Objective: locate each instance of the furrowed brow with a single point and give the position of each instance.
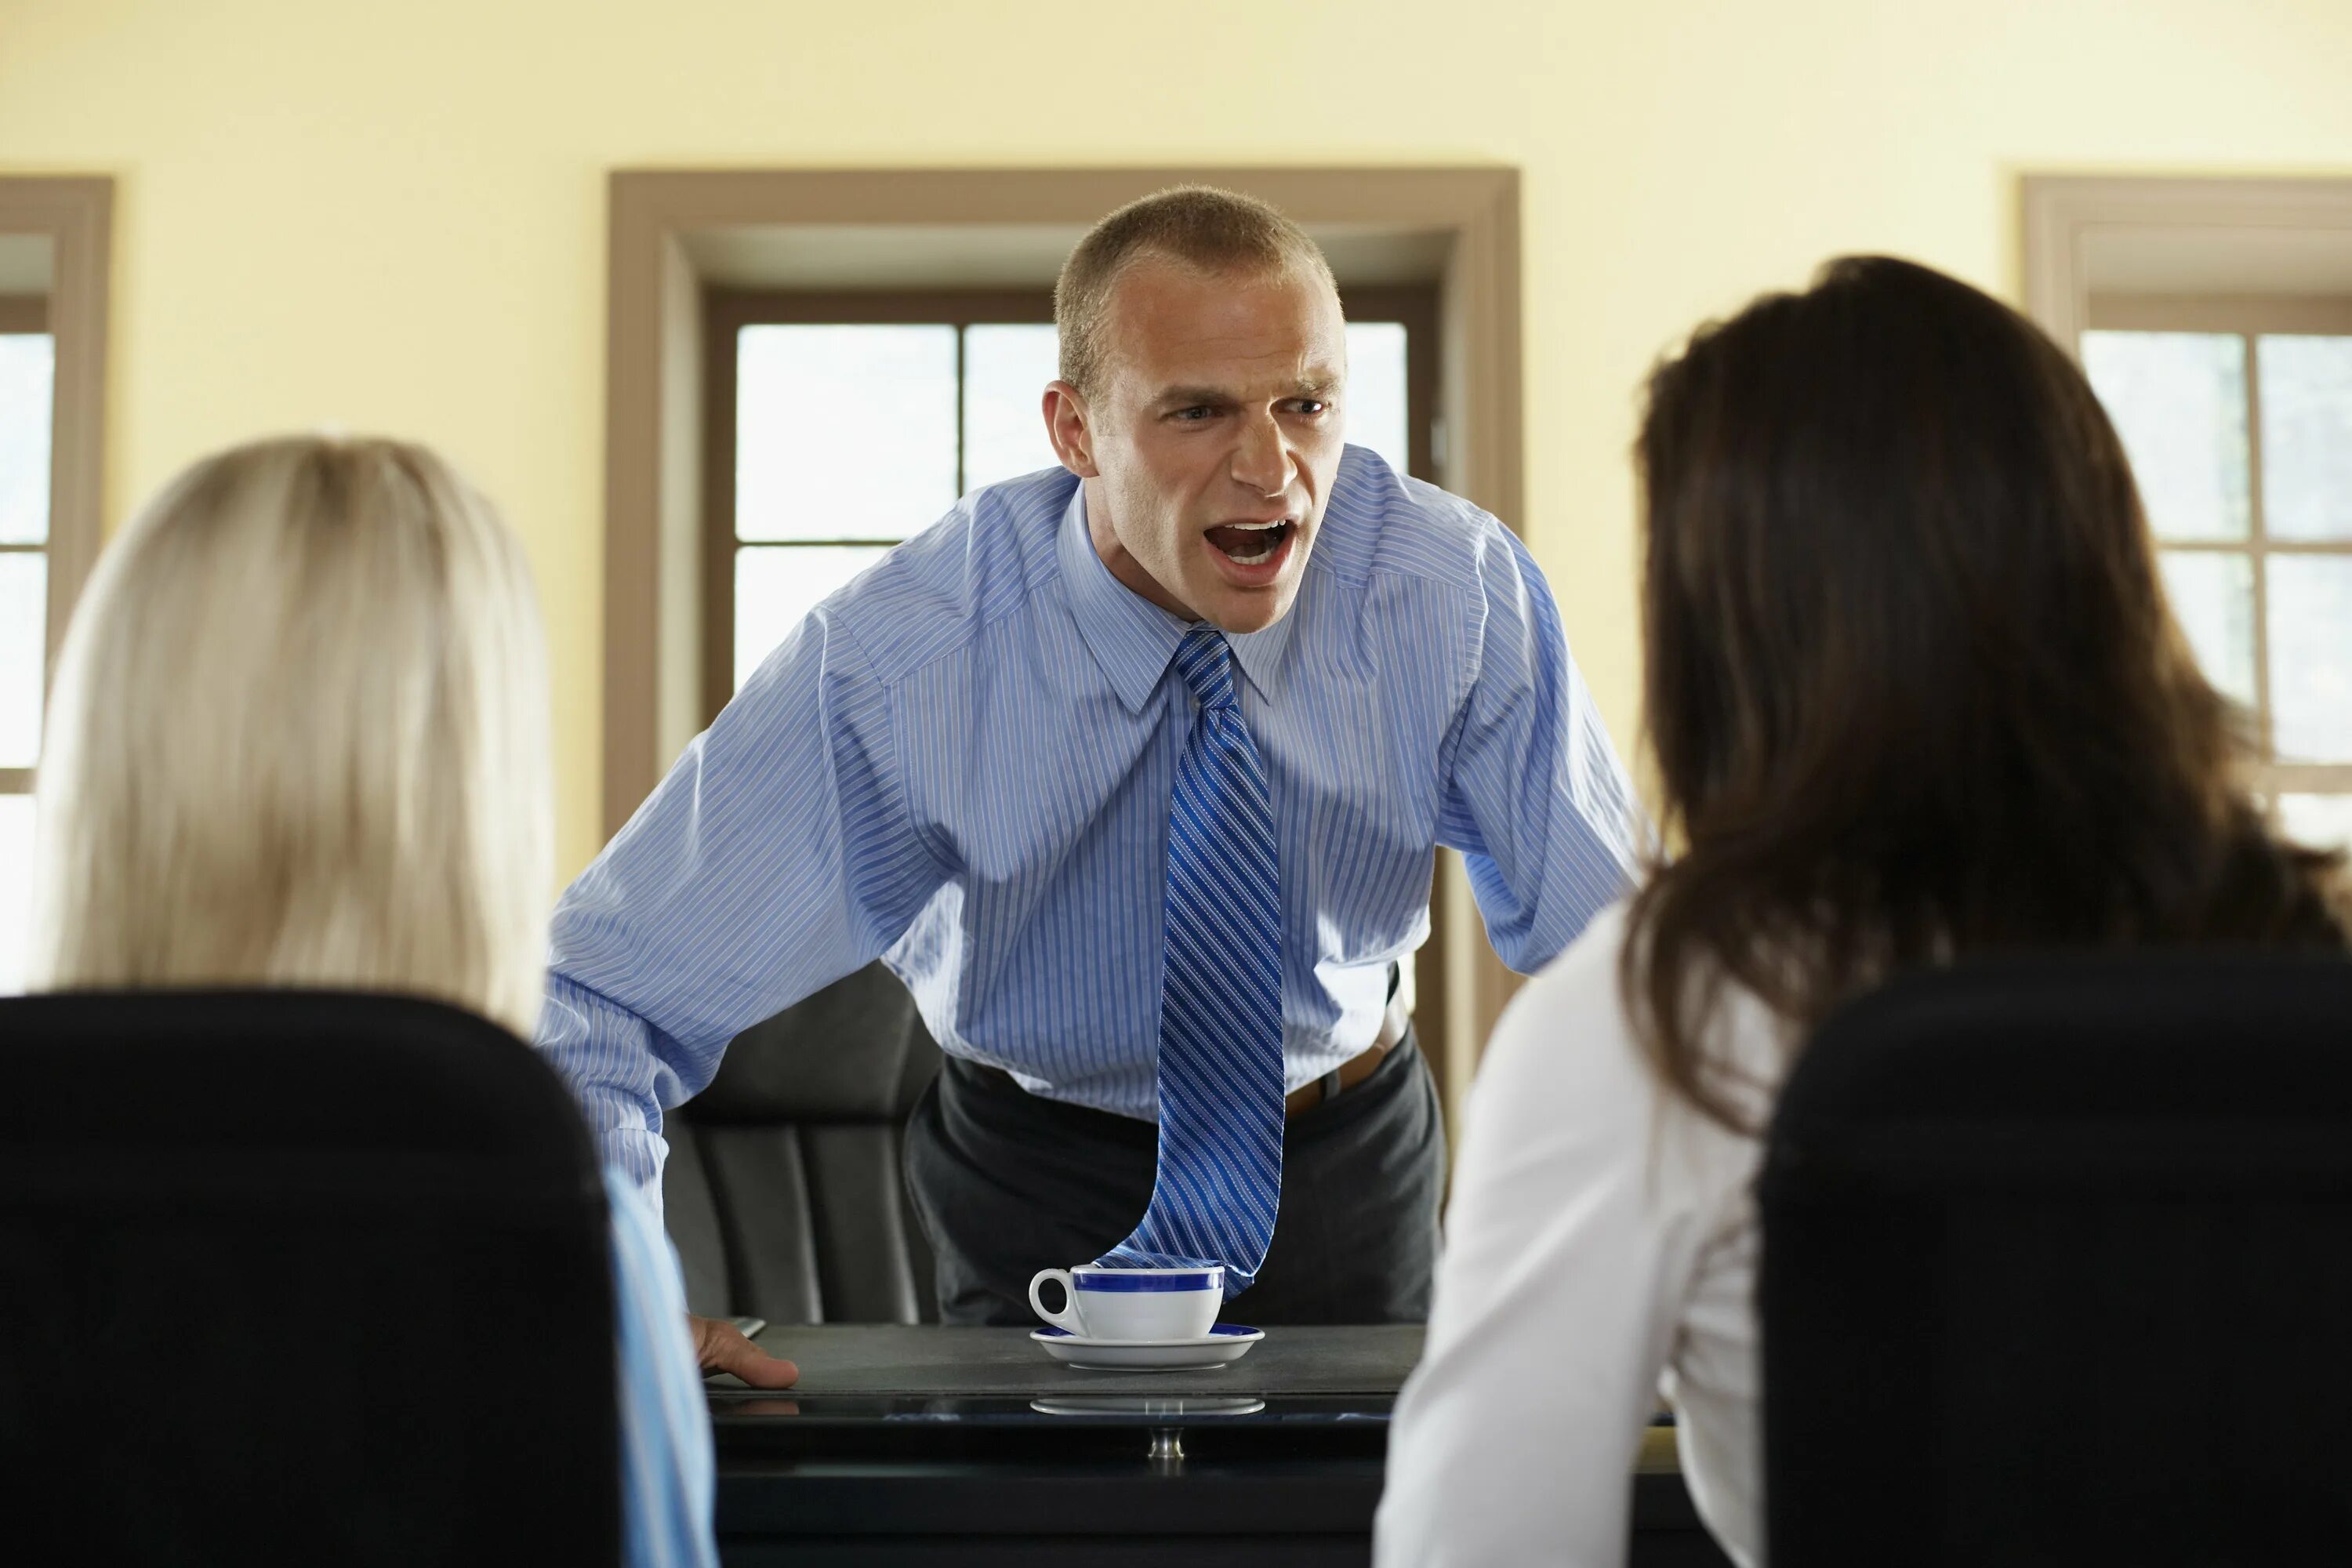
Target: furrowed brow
(1186, 396)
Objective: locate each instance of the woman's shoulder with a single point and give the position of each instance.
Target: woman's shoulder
(1568, 1049)
(1561, 1084)
(1568, 1026)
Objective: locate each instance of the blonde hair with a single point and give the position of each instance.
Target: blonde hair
(300, 737)
(1201, 225)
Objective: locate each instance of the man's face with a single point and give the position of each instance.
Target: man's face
(1210, 445)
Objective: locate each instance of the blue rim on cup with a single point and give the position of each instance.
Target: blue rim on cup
(1107, 1277)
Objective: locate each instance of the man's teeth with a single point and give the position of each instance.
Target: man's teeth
(1272, 532)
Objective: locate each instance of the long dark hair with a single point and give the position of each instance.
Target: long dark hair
(1913, 689)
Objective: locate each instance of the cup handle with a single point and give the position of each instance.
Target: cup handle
(1068, 1318)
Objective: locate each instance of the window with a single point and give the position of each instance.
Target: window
(28, 384)
(2215, 315)
(55, 237)
(2237, 414)
(843, 423)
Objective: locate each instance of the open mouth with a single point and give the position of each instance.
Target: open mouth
(1251, 543)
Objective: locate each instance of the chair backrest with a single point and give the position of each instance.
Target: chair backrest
(297, 1277)
(785, 1191)
(2057, 1267)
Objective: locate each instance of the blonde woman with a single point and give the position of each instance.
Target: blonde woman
(360, 797)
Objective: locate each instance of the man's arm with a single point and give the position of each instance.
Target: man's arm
(1537, 799)
(778, 856)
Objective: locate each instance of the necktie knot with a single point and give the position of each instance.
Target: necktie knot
(1205, 660)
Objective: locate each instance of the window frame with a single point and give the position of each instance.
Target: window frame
(726, 311)
(2249, 318)
(1416, 308)
(75, 214)
(2252, 239)
(27, 315)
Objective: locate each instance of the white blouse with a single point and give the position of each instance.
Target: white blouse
(1599, 1250)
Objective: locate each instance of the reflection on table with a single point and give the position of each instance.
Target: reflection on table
(920, 1444)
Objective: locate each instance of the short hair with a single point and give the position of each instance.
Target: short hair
(300, 737)
(1214, 229)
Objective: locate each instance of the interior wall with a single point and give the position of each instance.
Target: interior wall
(394, 219)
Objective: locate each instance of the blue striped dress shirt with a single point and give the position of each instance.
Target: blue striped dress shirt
(668, 1473)
(962, 761)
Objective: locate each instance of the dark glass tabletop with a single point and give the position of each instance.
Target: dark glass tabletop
(869, 1388)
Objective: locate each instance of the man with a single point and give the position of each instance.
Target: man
(1134, 772)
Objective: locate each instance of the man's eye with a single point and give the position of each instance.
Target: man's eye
(1310, 405)
(1193, 414)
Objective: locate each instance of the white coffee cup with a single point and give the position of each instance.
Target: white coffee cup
(1107, 1303)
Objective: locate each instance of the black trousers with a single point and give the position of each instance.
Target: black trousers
(1006, 1182)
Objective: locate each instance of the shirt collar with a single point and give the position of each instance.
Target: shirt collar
(1259, 652)
(1131, 638)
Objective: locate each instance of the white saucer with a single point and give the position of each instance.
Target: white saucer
(1225, 1342)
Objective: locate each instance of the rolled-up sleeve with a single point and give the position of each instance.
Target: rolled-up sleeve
(777, 856)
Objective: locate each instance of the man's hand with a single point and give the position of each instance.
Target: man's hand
(719, 1346)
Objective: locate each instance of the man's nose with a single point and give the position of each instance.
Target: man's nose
(1263, 461)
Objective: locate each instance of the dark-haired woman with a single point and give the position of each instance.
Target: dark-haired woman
(1914, 693)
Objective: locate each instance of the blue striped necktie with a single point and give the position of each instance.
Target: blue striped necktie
(1219, 1176)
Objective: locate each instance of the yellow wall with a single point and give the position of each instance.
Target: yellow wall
(391, 217)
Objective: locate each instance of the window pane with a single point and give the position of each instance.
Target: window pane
(16, 889)
(844, 432)
(2306, 437)
(2322, 821)
(1005, 369)
(775, 588)
(2212, 597)
(24, 622)
(2179, 400)
(1376, 395)
(2311, 657)
(27, 371)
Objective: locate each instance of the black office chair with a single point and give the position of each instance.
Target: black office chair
(297, 1278)
(2057, 1268)
(783, 1190)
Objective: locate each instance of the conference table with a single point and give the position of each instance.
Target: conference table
(922, 1445)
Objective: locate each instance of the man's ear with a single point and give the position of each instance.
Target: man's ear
(1070, 428)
